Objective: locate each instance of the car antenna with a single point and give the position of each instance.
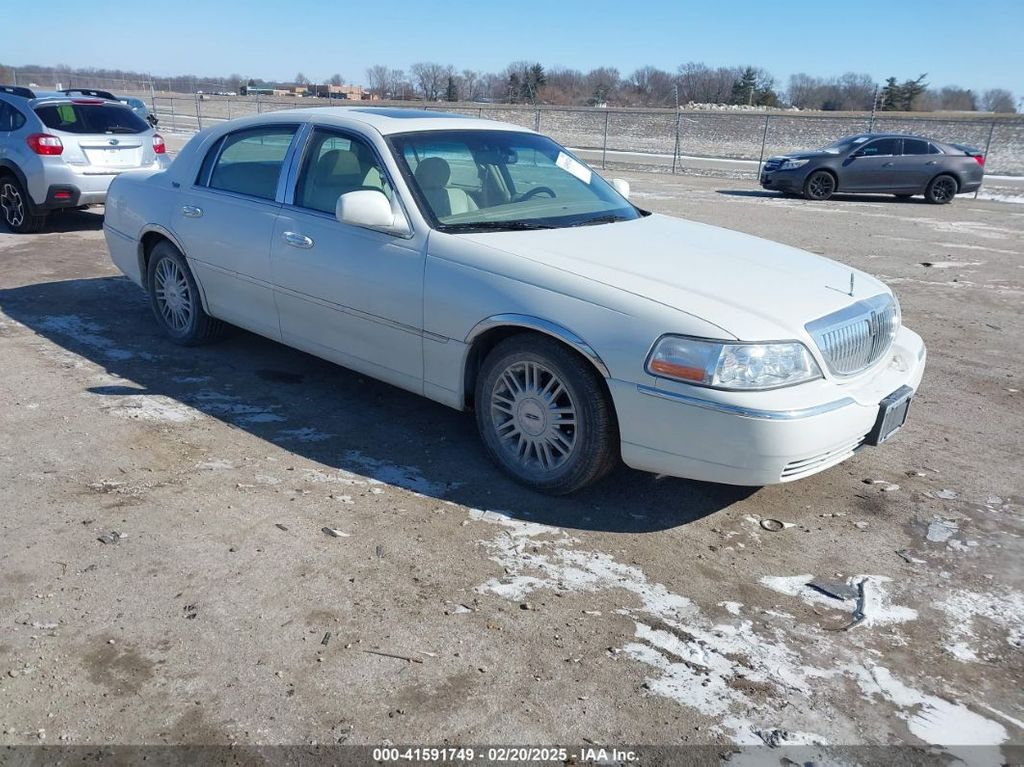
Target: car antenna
(852, 274)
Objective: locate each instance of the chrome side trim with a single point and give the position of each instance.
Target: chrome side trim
(543, 326)
(746, 412)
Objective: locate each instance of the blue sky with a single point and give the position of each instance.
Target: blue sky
(977, 44)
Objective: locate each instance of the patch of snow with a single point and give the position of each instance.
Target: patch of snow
(153, 407)
(733, 608)
(88, 334)
(963, 608)
(874, 608)
(941, 530)
(932, 719)
(304, 434)
(407, 477)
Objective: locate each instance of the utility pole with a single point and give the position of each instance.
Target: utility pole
(874, 106)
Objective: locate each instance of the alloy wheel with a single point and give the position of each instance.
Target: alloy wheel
(173, 295)
(12, 205)
(944, 190)
(534, 416)
(821, 185)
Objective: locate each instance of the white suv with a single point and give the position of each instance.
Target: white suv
(62, 150)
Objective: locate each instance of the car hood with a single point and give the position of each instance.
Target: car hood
(754, 289)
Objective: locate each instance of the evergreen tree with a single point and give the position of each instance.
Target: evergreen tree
(451, 92)
(890, 97)
(744, 88)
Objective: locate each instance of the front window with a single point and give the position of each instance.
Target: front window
(335, 164)
(91, 118)
(479, 180)
(844, 144)
(883, 147)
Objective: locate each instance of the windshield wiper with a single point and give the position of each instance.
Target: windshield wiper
(495, 226)
(120, 129)
(610, 219)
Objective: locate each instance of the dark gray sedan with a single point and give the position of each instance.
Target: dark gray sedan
(879, 164)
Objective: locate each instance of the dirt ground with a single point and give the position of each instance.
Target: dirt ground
(457, 608)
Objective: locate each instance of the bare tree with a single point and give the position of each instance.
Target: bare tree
(565, 86)
(431, 78)
(377, 80)
(602, 84)
(301, 79)
(469, 84)
(998, 100)
(336, 79)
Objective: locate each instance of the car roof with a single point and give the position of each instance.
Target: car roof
(385, 120)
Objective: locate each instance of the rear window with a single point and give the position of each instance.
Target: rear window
(91, 118)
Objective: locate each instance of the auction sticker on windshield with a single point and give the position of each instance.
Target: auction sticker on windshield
(575, 167)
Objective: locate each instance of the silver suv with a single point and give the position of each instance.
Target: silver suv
(61, 151)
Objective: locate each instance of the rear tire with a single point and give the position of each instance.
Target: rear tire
(16, 208)
(174, 298)
(544, 415)
(819, 186)
(941, 190)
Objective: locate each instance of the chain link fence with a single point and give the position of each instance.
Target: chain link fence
(734, 143)
(725, 142)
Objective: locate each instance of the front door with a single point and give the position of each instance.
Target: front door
(349, 294)
(871, 167)
(226, 221)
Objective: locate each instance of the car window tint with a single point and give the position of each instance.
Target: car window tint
(7, 117)
(932, 149)
(915, 146)
(250, 161)
(91, 118)
(882, 146)
(334, 165)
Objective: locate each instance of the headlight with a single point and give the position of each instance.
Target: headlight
(793, 164)
(730, 365)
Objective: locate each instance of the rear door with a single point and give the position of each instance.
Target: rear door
(916, 165)
(99, 137)
(225, 220)
(871, 167)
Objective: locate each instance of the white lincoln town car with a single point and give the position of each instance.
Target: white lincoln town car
(484, 266)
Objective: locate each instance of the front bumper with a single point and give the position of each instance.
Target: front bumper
(783, 180)
(745, 438)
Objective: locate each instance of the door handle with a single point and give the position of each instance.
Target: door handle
(932, 162)
(191, 211)
(297, 240)
(886, 164)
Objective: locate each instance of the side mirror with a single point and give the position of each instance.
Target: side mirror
(370, 209)
(858, 153)
(621, 186)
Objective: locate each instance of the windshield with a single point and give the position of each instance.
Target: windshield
(91, 118)
(480, 180)
(847, 142)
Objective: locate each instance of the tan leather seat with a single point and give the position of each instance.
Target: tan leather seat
(432, 175)
(335, 173)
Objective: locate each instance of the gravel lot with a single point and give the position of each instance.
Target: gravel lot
(642, 611)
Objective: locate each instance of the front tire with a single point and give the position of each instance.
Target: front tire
(174, 298)
(941, 190)
(544, 415)
(819, 186)
(16, 208)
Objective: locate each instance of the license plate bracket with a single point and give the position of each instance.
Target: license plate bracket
(892, 414)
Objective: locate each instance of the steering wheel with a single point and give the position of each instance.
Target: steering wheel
(529, 195)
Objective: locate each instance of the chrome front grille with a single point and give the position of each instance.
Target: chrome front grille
(856, 337)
